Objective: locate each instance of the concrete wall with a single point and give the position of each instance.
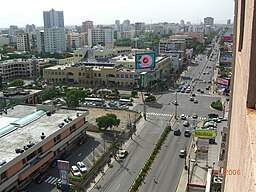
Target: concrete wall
(242, 125)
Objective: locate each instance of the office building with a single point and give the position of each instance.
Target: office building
(22, 42)
(33, 136)
(53, 18)
(208, 21)
(87, 25)
(54, 39)
(239, 155)
(101, 35)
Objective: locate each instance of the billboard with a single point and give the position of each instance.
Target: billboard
(204, 133)
(222, 81)
(63, 167)
(144, 62)
(144, 80)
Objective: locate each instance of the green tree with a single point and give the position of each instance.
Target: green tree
(16, 82)
(107, 121)
(48, 94)
(74, 97)
(134, 93)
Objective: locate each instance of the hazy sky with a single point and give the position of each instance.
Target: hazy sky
(20, 13)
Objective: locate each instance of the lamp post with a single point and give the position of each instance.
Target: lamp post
(188, 171)
(176, 105)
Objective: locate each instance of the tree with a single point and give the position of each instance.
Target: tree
(107, 121)
(74, 97)
(16, 82)
(48, 94)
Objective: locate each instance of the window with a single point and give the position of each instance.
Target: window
(131, 76)
(126, 76)
(99, 75)
(241, 30)
(122, 76)
(57, 139)
(135, 76)
(117, 75)
(39, 150)
(95, 74)
(79, 74)
(3, 175)
(31, 156)
(72, 128)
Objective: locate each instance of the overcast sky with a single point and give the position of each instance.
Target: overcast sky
(20, 13)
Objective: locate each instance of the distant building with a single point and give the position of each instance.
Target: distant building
(76, 40)
(208, 21)
(87, 25)
(53, 18)
(23, 43)
(139, 28)
(54, 39)
(126, 25)
(13, 30)
(40, 41)
(101, 35)
(30, 28)
(4, 40)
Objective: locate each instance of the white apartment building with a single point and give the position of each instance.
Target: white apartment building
(125, 34)
(23, 42)
(54, 39)
(103, 36)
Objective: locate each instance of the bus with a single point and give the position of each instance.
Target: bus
(94, 101)
(125, 102)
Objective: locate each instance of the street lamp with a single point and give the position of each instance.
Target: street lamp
(188, 171)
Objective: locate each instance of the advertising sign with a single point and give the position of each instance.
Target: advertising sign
(204, 133)
(222, 81)
(144, 62)
(143, 80)
(63, 167)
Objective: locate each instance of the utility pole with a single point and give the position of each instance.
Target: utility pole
(176, 105)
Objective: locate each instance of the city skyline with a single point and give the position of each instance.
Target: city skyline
(135, 11)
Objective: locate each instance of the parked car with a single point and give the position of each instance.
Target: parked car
(187, 133)
(75, 171)
(193, 95)
(182, 153)
(194, 116)
(177, 132)
(81, 166)
(213, 115)
(185, 123)
(175, 102)
(202, 91)
(191, 99)
(41, 177)
(195, 101)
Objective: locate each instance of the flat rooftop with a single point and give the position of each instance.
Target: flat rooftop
(30, 132)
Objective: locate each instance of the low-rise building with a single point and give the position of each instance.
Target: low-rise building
(31, 137)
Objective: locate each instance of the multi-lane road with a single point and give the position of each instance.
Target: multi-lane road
(168, 166)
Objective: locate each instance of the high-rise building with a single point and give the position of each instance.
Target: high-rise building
(53, 18)
(182, 22)
(126, 25)
(76, 40)
(54, 39)
(87, 25)
(101, 35)
(30, 28)
(229, 22)
(23, 42)
(208, 21)
(40, 41)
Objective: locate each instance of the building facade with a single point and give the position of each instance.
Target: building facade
(241, 146)
(54, 39)
(87, 25)
(43, 137)
(76, 40)
(40, 41)
(101, 35)
(22, 42)
(53, 18)
(208, 21)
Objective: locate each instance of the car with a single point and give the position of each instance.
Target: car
(183, 117)
(53, 163)
(198, 90)
(182, 153)
(191, 99)
(122, 153)
(203, 73)
(187, 133)
(202, 91)
(217, 120)
(81, 166)
(41, 177)
(175, 102)
(207, 88)
(208, 73)
(213, 115)
(195, 101)
(75, 171)
(204, 81)
(188, 90)
(185, 123)
(194, 116)
(193, 95)
(177, 132)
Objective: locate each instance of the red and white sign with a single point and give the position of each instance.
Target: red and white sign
(222, 81)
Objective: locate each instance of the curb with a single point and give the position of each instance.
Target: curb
(181, 172)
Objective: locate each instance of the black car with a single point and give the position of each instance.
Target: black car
(187, 133)
(213, 115)
(177, 132)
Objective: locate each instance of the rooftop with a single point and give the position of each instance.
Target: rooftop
(24, 125)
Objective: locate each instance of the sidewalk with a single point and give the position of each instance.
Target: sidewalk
(94, 184)
(200, 163)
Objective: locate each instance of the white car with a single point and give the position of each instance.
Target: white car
(75, 171)
(81, 166)
(183, 117)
